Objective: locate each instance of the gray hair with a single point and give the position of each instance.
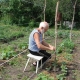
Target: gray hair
(43, 24)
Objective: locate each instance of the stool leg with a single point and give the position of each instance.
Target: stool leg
(37, 66)
(41, 63)
(26, 64)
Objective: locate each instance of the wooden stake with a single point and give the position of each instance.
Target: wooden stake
(73, 20)
(56, 31)
(44, 9)
(56, 23)
(44, 13)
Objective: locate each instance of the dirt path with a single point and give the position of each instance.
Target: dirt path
(77, 60)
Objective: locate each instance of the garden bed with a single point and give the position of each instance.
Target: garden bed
(14, 69)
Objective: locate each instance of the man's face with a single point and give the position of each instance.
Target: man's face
(45, 29)
(42, 31)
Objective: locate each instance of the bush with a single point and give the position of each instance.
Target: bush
(31, 23)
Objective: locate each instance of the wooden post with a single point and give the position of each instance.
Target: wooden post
(44, 9)
(56, 23)
(44, 13)
(56, 31)
(72, 21)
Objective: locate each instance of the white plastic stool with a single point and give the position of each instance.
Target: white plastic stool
(37, 58)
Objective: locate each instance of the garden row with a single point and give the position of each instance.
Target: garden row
(9, 33)
(63, 53)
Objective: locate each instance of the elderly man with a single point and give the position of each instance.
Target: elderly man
(37, 46)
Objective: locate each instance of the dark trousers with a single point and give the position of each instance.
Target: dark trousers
(43, 53)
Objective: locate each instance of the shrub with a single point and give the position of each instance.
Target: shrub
(31, 23)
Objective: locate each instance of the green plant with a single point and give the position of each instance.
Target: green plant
(64, 68)
(6, 19)
(65, 46)
(63, 73)
(32, 23)
(11, 33)
(25, 78)
(23, 46)
(14, 62)
(50, 33)
(61, 76)
(68, 56)
(68, 44)
(62, 34)
(42, 76)
(7, 54)
(19, 76)
(59, 49)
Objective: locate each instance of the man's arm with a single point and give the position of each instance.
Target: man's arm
(45, 44)
(39, 45)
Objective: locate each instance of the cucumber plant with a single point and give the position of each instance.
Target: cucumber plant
(65, 46)
(63, 73)
(7, 54)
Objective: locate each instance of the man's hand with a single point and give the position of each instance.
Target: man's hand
(52, 47)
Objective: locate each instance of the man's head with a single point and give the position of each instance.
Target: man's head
(44, 26)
